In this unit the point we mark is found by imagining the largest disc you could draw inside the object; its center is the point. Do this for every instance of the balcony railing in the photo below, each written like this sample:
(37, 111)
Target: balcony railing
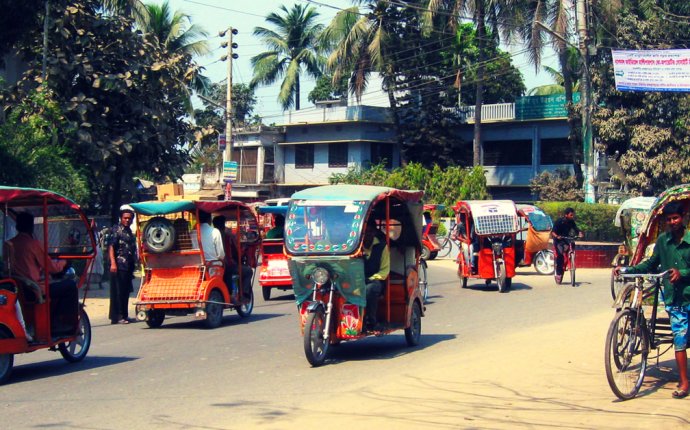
(492, 112)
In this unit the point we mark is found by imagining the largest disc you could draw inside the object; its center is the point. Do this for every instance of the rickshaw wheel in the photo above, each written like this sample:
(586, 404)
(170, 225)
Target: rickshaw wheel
(426, 253)
(245, 309)
(544, 263)
(77, 349)
(627, 347)
(414, 332)
(315, 346)
(214, 311)
(155, 318)
(266, 292)
(423, 282)
(159, 235)
(463, 281)
(501, 280)
(6, 361)
(433, 255)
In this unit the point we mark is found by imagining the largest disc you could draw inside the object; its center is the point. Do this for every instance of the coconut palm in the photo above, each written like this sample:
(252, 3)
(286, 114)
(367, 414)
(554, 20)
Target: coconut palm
(131, 8)
(557, 76)
(292, 46)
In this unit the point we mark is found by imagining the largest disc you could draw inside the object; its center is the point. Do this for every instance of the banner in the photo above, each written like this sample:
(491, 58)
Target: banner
(230, 170)
(652, 70)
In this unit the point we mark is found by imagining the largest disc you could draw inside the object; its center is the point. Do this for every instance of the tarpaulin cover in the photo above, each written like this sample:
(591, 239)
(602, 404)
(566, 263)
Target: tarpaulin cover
(350, 280)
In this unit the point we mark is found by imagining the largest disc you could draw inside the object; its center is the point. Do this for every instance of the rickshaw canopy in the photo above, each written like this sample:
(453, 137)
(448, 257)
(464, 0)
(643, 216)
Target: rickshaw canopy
(537, 218)
(356, 192)
(491, 216)
(434, 207)
(274, 210)
(643, 204)
(153, 208)
(33, 197)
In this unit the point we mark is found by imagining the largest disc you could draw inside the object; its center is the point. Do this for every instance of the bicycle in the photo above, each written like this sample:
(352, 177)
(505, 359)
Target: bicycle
(631, 337)
(568, 261)
(446, 243)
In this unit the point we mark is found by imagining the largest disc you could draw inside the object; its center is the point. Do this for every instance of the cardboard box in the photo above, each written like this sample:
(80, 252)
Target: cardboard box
(170, 192)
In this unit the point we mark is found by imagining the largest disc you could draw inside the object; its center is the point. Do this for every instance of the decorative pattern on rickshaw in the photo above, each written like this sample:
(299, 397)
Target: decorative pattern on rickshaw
(495, 224)
(325, 245)
(349, 321)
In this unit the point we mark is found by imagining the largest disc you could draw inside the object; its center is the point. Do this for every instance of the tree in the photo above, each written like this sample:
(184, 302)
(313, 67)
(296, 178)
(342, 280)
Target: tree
(647, 132)
(325, 89)
(292, 46)
(557, 186)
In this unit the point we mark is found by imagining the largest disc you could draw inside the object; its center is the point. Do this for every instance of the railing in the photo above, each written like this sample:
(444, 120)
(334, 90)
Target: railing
(492, 112)
(338, 113)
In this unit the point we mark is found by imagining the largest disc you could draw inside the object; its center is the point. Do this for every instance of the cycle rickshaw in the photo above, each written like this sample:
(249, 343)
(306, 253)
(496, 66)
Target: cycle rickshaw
(30, 319)
(487, 230)
(177, 280)
(533, 241)
(630, 217)
(632, 335)
(324, 242)
(273, 272)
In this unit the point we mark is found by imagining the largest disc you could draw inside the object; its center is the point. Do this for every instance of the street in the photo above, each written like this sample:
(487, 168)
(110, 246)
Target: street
(531, 358)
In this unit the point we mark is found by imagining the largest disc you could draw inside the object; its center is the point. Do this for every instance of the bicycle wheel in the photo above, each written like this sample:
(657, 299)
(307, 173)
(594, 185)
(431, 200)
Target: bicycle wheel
(625, 358)
(572, 268)
(446, 246)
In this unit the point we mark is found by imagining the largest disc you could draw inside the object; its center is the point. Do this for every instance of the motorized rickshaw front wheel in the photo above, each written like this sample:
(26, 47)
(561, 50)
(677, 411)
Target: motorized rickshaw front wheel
(315, 345)
(6, 360)
(245, 309)
(266, 292)
(413, 333)
(544, 262)
(426, 253)
(214, 309)
(76, 350)
(501, 280)
(155, 318)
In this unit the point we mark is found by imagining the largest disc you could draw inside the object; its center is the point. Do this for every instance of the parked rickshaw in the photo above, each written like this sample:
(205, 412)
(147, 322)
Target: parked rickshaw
(532, 244)
(30, 319)
(487, 230)
(177, 279)
(638, 330)
(274, 272)
(430, 244)
(630, 218)
(324, 242)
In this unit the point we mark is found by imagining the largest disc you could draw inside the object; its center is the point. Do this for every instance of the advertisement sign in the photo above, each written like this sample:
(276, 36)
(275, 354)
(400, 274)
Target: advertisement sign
(221, 142)
(230, 170)
(652, 70)
(539, 107)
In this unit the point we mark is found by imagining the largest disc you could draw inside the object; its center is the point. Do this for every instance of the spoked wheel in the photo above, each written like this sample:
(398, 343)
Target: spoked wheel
(501, 280)
(155, 318)
(245, 309)
(426, 252)
(214, 310)
(616, 286)
(77, 349)
(572, 269)
(544, 262)
(414, 332)
(446, 246)
(266, 292)
(423, 282)
(627, 346)
(315, 346)
(6, 361)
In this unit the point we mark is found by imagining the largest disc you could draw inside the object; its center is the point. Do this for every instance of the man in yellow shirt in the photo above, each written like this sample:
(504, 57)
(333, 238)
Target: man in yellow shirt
(377, 264)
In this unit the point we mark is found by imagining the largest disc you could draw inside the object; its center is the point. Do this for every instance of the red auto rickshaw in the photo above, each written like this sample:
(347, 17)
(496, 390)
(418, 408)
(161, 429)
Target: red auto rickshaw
(274, 271)
(430, 245)
(27, 322)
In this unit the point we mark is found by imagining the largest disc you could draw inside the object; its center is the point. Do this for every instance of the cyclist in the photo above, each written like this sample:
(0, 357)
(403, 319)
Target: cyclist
(672, 252)
(563, 227)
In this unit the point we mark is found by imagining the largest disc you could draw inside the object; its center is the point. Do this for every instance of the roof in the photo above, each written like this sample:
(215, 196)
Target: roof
(355, 192)
(33, 196)
(162, 208)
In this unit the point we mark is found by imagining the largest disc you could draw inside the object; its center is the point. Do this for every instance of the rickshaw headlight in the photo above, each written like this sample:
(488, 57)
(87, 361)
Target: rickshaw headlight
(320, 275)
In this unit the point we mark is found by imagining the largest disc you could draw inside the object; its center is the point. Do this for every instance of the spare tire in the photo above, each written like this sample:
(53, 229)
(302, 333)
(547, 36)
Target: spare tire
(159, 235)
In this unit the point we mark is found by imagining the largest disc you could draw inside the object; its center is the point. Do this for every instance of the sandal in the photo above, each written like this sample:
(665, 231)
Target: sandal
(680, 394)
(123, 322)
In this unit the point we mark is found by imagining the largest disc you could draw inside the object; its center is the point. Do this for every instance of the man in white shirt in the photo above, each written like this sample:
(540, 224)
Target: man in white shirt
(211, 238)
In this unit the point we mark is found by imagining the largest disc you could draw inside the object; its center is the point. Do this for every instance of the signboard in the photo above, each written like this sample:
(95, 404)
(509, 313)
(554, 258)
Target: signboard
(221, 142)
(652, 70)
(230, 170)
(539, 107)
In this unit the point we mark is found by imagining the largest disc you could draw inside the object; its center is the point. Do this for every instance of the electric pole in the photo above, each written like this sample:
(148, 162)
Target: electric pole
(227, 153)
(582, 15)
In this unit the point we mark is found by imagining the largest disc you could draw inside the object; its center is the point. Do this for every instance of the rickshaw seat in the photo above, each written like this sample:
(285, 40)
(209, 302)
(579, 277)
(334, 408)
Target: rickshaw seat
(28, 291)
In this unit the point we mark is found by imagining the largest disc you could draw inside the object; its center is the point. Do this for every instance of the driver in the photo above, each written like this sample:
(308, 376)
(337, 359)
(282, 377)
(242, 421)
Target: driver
(563, 227)
(377, 263)
(28, 261)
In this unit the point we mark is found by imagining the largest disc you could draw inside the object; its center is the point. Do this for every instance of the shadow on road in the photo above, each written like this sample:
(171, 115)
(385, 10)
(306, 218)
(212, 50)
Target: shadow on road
(230, 319)
(50, 368)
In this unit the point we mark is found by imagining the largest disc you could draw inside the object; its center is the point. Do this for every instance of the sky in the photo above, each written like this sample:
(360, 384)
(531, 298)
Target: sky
(244, 15)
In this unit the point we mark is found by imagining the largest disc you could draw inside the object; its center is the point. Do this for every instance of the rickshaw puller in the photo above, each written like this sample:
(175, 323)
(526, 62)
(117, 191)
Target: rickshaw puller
(376, 270)
(564, 226)
(672, 252)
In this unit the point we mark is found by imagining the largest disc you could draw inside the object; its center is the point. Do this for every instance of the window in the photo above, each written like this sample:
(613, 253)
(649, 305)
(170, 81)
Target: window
(246, 165)
(556, 151)
(337, 155)
(304, 156)
(508, 153)
(269, 164)
(382, 153)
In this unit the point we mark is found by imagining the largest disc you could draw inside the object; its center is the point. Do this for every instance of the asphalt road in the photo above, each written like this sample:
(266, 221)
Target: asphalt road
(252, 373)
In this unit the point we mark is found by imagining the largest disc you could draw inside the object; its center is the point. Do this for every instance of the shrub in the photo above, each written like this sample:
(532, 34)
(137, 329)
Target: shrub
(594, 219)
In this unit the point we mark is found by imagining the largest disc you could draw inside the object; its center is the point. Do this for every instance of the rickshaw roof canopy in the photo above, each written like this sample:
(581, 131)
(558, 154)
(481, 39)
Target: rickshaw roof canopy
(31, 196)
(434, 207)
(488, 207)
(491, 216)
(162, 208)
(356, 192)
(276, 210)
(640, 203)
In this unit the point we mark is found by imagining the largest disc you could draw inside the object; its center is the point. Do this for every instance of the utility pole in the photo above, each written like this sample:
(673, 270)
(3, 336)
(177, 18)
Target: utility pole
(581, 13)
(227, 153)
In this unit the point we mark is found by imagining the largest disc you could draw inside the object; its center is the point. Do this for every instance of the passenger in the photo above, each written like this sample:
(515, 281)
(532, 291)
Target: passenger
(28, 261)
(230, 246)
(278, 230)
(211, 239)
(376, 269)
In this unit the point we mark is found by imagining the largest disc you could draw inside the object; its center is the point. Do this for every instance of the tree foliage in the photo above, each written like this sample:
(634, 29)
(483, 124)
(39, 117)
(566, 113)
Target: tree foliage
(325, 89)
(559, 185)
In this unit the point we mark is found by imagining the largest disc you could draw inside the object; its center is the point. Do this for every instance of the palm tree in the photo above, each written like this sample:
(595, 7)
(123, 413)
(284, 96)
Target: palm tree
(130, 8)
(500, 17)
(557, 76)
(291, 46)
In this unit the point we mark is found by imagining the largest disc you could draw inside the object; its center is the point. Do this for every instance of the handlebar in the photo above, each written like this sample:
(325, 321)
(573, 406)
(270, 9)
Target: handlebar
(650, 276)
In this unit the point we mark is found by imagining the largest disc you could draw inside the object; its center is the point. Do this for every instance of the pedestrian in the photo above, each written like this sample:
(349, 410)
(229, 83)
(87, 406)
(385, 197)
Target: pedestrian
(122, 250)
(672, 253)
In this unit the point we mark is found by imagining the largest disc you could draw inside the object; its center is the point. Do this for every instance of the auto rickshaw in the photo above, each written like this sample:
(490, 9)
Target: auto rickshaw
(324, 243)
(486, 230)
(30, 319)
(532, 244)
(430, 245)
(630, 218)
(177, 280)
(274, 272)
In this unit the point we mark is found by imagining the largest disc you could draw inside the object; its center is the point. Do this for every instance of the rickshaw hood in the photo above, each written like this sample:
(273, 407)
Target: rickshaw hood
(642, 203)
(162, 208)
(27, 196)
(356, 192)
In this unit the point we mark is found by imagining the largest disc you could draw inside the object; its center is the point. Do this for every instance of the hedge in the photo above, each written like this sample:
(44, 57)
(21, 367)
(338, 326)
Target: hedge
(594, 219)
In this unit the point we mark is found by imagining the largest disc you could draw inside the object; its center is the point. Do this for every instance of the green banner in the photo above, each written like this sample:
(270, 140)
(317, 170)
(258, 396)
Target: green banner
(539, 107)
